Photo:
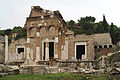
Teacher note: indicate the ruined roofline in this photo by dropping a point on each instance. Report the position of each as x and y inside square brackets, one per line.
[46, 12]
[42, 13]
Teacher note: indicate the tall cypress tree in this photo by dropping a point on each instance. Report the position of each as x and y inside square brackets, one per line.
[105, 25]
[112, 34]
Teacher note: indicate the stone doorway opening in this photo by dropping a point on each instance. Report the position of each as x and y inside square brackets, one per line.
[51, 50]
[80, 51]
[20, 50]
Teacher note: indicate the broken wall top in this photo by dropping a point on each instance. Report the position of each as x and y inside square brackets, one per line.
[44, 18]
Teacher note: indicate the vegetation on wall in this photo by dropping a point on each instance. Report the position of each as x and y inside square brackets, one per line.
[21, 33]
[87, 25]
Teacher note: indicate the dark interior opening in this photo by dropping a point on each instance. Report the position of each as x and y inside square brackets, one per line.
[20, 50]
[95, 46]
[105, 46]
[110, 46]
[51, 50]
[100, 46]
[80, 50]
[44, 51]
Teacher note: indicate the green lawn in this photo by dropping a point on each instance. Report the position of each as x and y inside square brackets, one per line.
[42, 77]
[60, 76]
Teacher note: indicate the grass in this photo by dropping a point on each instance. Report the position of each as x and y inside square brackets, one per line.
[59, 76]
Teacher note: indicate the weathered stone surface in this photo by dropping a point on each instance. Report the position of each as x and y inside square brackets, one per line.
[11, 69]
[54, 70]
[14, 56]
[1, 68]
[38, 69]
[2, 51]
[32, 69]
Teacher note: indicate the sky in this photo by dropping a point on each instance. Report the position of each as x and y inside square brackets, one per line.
[14, 12]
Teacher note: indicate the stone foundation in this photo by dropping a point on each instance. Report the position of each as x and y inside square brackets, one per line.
[59, 67]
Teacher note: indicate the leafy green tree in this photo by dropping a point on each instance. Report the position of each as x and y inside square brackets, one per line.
[86, 22]
[97, 28]
[18, 29]
[71, 23]
[7, 31]
[2, 32]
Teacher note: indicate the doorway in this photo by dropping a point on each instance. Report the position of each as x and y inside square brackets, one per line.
[44, 51]
[80, 50]
[51, 50]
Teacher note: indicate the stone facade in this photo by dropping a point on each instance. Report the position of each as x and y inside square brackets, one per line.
[86, 40]
[44, 29]
[103, 43]
[102, 39]
[48, 38]
[17, 50]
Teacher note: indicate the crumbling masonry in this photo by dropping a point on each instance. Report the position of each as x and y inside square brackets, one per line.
[49, 39]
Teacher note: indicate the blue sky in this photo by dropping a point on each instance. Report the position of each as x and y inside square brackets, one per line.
[14, 12]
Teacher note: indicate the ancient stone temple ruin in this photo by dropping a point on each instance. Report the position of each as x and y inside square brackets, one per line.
[49, 39]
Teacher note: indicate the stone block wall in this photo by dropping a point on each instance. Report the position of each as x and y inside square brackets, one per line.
[81, 38]
[2, 52]
[13, 55]
[102, 39]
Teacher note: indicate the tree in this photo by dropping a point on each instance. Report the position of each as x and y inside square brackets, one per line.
[7, 32]
[97, 28]
[112, 34]
[71, 23]
[117, 35]
[87, 24]
[105, 25]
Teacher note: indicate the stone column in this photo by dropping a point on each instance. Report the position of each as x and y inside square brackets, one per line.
[56, 43]
[59, 47]
[37, 43]
[31, 54]
[47, 51]
[47, 45]
[6, 49]
[28, 46]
